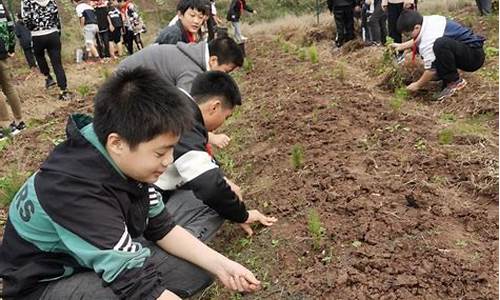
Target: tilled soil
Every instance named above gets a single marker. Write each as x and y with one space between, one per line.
404 217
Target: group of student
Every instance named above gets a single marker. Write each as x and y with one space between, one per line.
444 44
105 24
124 207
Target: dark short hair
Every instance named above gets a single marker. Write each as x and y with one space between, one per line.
139 105
408 19
216 84
202 6
226 50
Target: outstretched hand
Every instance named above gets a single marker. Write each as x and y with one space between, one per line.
219 140
256 216
236 277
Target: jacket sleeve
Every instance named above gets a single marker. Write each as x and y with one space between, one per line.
202 175
160 222
231 14
11 33
329 3
92 227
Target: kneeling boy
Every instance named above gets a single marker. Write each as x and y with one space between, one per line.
89 225
445 46
215 94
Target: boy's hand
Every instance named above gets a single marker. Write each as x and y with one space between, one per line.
235 188
398 46
256 216
219 140
236 277
413 87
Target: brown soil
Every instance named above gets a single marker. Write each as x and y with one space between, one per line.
404 216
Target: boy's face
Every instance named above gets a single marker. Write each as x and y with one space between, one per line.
147 161
214 113
213 62
192 20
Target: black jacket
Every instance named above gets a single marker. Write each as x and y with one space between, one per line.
172 34
195 169
235 9
339 3
79 212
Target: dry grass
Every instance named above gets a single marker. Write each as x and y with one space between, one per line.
442 6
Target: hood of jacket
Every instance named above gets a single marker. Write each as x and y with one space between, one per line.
196 52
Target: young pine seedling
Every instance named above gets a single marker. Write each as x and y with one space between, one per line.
313 54
297 157
316 231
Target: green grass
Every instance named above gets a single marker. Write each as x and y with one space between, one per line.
446 136
9 185
248 65
301 53
399 98
313 54
83 90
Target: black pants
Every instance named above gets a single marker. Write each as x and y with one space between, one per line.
452 55
103 43
344 22
393 12
128 40
30 57
484 7
52 43
377 25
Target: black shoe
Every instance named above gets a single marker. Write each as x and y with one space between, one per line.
49 82
64 95
21 126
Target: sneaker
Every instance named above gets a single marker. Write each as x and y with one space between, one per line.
3 136
49 82
64 95
243 38
400 58
21 126
13 129
450 89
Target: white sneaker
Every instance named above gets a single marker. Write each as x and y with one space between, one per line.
243 38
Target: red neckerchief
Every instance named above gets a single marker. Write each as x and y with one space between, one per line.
208 148
414 50
191 37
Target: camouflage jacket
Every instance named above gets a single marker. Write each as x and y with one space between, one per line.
7 34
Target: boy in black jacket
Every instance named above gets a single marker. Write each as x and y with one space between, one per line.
215 94
191 14
234 14
89 224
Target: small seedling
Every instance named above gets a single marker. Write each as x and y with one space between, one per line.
247 65
448 118
491 52
301 53
275 243
339 71
286 46
420 144
445 136
356 244
316 231
313 54
105 73
399 98
83 90
461 243
297 157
